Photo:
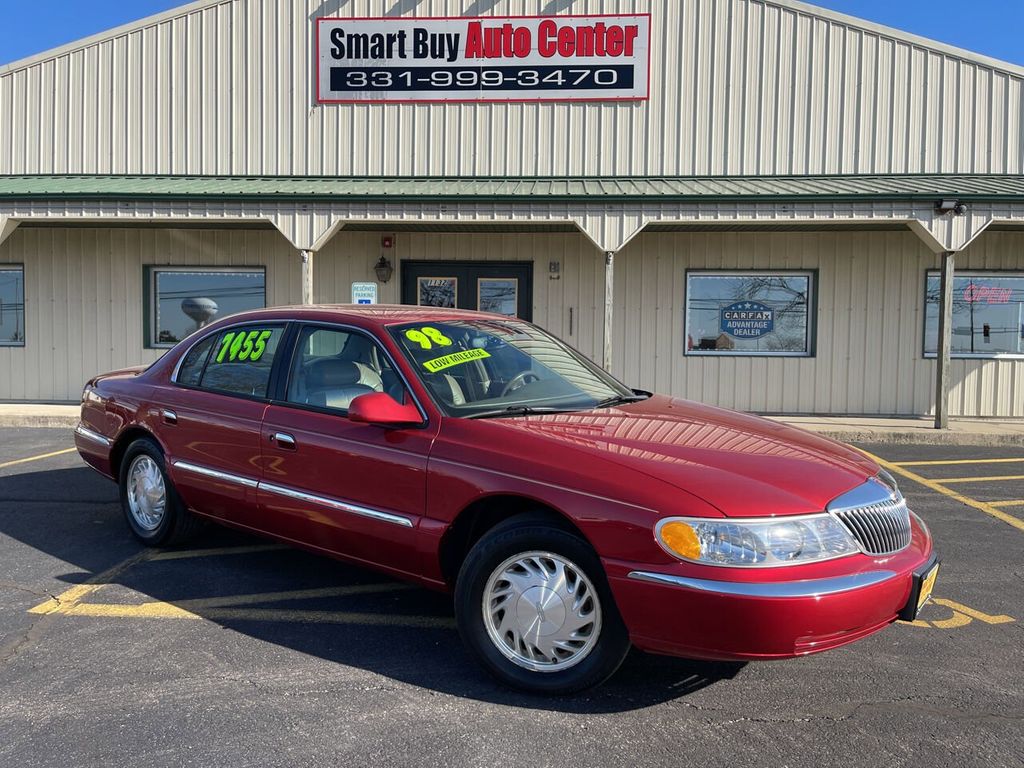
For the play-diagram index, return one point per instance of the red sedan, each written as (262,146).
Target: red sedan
(570,516)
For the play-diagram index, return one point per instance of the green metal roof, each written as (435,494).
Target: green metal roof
(603,189)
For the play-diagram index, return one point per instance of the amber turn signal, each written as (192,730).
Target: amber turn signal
(681,539)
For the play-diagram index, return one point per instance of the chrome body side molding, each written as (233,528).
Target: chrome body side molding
(89,434)
(344,506)
(227,477)
(780,589)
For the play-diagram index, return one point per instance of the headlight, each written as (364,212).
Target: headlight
(764,542)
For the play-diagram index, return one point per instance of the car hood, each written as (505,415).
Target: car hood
(743,465)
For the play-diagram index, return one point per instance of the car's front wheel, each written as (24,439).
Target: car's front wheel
(533,603)
(152,507)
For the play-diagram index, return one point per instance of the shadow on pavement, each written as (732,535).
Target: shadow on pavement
(399,631)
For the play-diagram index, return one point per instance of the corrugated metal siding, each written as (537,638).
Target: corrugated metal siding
(738,87)
(870,325)
(84,307)
(83,297)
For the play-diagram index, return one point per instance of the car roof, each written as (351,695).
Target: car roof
(374,314)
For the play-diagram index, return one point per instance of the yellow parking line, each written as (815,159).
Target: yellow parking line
(1014,503)
(993,479)
(170,611)
(983,506)
(40,457)
(190,553)
(66,601)
(276,597)
(957,461)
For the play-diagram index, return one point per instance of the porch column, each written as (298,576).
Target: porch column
(609,303)
(307,276)
(945,345)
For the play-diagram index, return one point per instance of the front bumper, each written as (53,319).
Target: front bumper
(700,612)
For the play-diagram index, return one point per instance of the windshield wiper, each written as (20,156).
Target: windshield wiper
(608,402)
(519,410)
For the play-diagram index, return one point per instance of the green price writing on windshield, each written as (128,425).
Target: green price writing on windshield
(427,337)
(244,345)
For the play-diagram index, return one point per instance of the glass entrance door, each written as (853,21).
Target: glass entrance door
(504,288)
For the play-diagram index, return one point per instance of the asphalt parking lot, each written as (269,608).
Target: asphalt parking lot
(236,652)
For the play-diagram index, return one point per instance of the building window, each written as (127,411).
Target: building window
(988,314)
(12,306)
(750,313)
(181,300)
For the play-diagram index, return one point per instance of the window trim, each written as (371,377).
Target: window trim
(970,273)
(16,267)
(281,394)
(812,312)
(151,302)
(284,325)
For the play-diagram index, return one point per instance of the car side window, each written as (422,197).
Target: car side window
(332,367)
(192,366)
(241,359)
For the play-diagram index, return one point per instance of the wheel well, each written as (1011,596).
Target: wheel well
(480,517)
(126,438)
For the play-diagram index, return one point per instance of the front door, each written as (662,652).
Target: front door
(502,287)
(355,490)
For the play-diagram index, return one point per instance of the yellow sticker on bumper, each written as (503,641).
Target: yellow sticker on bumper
(440,363)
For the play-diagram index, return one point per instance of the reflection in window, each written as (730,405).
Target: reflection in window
(741,313)
(437,292)
(12,306)
(988,314)
(183,300)
(499,295)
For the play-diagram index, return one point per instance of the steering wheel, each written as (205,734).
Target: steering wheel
(521,379)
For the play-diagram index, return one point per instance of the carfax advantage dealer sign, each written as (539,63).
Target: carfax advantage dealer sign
(529,58)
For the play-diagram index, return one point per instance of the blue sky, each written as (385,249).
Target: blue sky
(992,27)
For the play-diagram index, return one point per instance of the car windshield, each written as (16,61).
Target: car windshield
(481,368)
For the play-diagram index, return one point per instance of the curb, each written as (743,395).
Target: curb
(967,439)
(47,422)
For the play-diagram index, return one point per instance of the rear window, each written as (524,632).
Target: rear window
(240,360)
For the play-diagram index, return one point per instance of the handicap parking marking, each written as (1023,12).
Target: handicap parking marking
(961,616)
(900,468)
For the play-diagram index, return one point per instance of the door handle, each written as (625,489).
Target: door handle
(283,440)
(170,417)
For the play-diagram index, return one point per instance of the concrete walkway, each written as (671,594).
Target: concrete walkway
(849,429)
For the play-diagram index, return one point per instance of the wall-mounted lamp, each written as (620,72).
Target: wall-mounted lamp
(948,206)
(383,269)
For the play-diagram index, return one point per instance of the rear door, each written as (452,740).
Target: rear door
(355,490)
(210,417)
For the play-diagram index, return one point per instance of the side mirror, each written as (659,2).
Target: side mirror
(383,410)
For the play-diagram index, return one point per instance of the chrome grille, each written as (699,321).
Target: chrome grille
(879,519)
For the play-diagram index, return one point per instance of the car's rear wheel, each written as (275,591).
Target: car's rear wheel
(532,602)
(152,507)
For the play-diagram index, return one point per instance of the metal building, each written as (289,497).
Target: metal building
(759,204)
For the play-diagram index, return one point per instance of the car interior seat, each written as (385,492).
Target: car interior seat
(334,383)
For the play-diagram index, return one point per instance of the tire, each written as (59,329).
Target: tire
(153,524)
(520,563)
